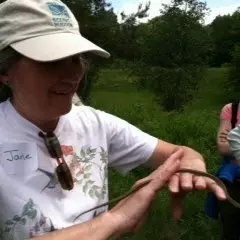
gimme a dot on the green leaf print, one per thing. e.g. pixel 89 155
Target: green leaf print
pixel 22 221
pixel 26 207
pixel 103 155
pixel 95 187
pixel 81 180
pixel 91 151
pixel 91 193
pixel 7 229
pixel 9 222
pixel 29 212
pixel 88 167
pixel 85 188
pixel 88 175
pixel 87 162
pixel 16 218
pixel 83 154
pixel 98 195
pixel 32 213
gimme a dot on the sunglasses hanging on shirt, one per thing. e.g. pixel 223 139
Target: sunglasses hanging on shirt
pixel 54 148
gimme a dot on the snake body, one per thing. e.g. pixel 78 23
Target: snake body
pixel 144 183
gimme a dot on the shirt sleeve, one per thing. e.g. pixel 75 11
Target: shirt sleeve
pixel 234 142
pixel 226 112
pixel 129 146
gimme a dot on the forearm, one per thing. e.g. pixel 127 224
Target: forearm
pixel 102 227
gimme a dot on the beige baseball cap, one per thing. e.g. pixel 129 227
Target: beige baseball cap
pixel 42 30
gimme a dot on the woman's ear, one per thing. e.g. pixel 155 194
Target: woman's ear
pixel 4 78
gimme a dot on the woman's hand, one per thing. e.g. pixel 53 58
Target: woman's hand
pixel 131 213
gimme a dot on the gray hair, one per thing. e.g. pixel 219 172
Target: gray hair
pixel 8 57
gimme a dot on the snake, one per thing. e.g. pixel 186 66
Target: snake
pixel 148 180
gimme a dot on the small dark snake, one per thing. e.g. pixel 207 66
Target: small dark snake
pixel 183 170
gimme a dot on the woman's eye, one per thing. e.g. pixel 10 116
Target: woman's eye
pixel 76 59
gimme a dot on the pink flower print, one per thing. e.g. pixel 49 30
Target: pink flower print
pixel 76 167
pixel 67 150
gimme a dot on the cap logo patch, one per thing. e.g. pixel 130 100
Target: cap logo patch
pixel 60 15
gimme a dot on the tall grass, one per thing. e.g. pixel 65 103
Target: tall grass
pixel 196 127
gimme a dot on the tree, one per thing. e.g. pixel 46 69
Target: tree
pixel 222 37
pixel 225 34
pixel 126 41
pixel 176 52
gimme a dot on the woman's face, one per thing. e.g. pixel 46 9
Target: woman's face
pixel 45 90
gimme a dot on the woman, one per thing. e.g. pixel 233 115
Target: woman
pixel 229 171
pixel 54 155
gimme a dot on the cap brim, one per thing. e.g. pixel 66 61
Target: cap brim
pixel 54 47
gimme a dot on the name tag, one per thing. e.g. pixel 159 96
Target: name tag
pixel 18 158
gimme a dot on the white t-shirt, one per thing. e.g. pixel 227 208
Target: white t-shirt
pixel 32 201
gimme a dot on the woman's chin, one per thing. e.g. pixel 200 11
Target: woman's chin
pixel 63 105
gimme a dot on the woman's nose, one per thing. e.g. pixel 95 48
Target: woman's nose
pixel 74 66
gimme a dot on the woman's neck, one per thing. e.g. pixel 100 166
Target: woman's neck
pixel 44 124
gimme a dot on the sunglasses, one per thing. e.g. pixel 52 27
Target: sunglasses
pixel 54 148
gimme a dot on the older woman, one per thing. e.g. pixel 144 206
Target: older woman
pixel 54 155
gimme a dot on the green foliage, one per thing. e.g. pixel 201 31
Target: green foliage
pixel 175 46
pixel 225 34
pixel 233 83
pixel 173 87
pixel 177 86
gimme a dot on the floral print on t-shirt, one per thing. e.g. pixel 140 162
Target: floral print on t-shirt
pixel 34 222
pixel 81 168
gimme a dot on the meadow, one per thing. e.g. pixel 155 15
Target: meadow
pixel 116 92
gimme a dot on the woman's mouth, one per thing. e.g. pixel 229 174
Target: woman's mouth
pixel 65 89
pixel 65 92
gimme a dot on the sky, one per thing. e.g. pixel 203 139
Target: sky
pixel 218 7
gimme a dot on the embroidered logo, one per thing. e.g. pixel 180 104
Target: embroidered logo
pixel 60 15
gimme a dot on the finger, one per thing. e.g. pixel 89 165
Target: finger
pixel 216 189
pixel 223 134
pixel 177 205
pixel 199 183
pixel 225 131
pixel 164 174
pixel 173 185
pixel 223 137
pixel 186 181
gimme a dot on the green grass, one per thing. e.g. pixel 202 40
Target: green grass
pixel 196 127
